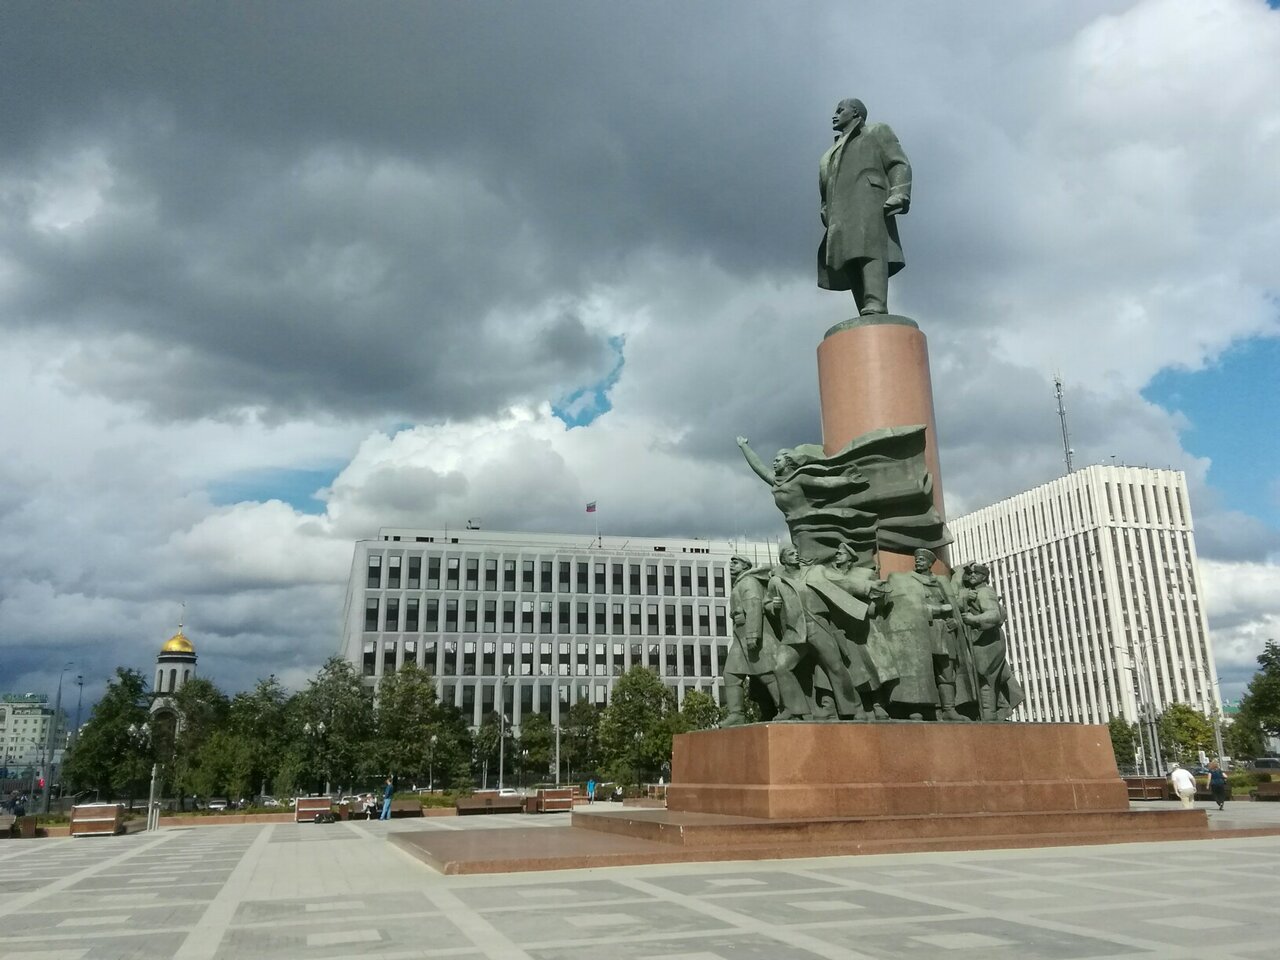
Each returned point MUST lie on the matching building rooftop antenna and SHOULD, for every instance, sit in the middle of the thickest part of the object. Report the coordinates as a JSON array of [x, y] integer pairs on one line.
[[1067, 452]]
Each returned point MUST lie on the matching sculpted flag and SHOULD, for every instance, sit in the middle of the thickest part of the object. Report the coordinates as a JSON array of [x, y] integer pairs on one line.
[[875, 493]]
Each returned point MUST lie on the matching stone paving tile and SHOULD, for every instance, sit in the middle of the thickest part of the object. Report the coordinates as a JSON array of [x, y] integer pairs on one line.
[[360, 936], [138, 917], [985, 938], [548, 892], [1205, 924], [754, 881], [1029, 895], [371, 904], [718, 946], [607, 922], [830, 906], [159, 946]]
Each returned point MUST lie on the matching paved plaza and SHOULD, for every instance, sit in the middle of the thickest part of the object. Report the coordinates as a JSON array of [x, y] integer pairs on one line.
[[341, 890]]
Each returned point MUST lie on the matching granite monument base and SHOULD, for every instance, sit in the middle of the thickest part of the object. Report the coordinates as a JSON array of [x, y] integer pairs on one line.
[[806, 770], [784, 790]]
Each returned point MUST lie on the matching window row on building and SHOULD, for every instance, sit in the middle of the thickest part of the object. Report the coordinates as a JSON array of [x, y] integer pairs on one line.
[[390, 570], [434, 614], [562, 657]]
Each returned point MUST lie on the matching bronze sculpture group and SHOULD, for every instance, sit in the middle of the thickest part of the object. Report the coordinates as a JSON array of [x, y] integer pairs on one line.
[[831, 640]]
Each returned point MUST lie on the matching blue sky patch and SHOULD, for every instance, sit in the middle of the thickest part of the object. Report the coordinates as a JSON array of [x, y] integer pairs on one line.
[[1224, 403], [295, 487], [588, 403]]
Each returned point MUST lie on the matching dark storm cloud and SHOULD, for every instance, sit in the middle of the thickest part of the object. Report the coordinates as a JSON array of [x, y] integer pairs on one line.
[[358, 210]]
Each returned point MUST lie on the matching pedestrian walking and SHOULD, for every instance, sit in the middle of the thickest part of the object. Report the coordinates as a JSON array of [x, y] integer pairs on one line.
[[387, 791], [591, 790], [1184, 785], [1218, 784]]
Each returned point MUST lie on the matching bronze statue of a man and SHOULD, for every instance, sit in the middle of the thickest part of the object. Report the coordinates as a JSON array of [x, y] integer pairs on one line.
[[865, 182], [999, 693], [754, 651]]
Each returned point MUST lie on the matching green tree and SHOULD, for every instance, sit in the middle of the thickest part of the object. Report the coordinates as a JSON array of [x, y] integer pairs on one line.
[[223, 767], [1260, 705], [407, 718], [1242, 737], [635, 728], [258, 718], [486, 747], [200, 711], [339, 752], [1184, 732], [1124, 740], [700, 711], [106, 758], [580, 739], [537, 746]]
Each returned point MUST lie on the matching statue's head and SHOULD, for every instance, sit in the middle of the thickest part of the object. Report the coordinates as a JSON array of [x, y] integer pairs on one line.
[[738, 566], [849, 115], [925, 560], [783, 463], [788, 556], [976, 574], [846, 557]]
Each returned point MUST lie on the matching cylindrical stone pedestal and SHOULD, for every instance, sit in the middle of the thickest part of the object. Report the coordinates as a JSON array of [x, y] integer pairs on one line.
[[873, 372]]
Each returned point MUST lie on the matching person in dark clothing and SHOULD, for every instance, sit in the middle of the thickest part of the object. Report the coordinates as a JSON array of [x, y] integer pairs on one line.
[[1218, 784], [387, 792]]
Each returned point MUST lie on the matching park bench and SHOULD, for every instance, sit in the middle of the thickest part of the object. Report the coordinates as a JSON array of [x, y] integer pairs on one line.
[[489, 803], [1267, 791], [550, 800], [97, 820], [1147, 788], [406, 808]]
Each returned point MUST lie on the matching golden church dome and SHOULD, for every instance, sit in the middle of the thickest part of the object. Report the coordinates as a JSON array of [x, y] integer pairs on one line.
[[178, 643]]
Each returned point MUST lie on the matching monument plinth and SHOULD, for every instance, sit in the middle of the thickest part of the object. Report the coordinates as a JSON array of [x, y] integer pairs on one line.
[[873, 372], [826, 770]]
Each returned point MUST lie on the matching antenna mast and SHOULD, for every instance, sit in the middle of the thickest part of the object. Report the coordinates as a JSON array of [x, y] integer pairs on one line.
[[1062, 416]]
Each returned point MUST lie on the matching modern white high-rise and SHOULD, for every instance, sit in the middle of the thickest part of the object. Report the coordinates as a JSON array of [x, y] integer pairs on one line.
[[1098, 573], [25, 737], [548, 619]]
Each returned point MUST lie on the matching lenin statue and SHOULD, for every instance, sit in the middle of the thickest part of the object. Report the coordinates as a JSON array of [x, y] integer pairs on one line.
[[865, 182]]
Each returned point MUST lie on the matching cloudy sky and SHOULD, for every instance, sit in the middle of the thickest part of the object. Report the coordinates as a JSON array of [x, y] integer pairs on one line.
[[273, 275]]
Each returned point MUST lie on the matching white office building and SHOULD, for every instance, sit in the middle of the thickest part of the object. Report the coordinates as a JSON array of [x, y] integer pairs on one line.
[[25, 737], [548, 619], [1098, 573]]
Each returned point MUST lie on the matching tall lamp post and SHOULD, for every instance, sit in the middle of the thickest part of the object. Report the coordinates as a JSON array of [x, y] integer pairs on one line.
[[75, 735], [141, 737], [431, 764], [51, 736], [315, 734]]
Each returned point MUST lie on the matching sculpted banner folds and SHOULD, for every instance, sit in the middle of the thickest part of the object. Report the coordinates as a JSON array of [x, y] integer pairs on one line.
[[874, 494]]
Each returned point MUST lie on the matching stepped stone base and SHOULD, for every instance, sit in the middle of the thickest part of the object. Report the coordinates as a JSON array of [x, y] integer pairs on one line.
[[784, 790]]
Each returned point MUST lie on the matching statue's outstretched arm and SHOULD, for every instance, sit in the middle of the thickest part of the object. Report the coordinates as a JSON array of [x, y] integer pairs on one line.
[[754, 461]]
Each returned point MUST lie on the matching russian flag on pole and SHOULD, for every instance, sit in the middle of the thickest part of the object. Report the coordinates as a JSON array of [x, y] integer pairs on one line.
[[591, 506]]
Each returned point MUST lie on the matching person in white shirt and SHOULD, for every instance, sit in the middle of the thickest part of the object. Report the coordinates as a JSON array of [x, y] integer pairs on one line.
[[1184, 785]]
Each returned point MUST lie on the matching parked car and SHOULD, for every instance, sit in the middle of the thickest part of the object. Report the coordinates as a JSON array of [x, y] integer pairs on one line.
[[269, 802], [218, 804], [1266, 763]]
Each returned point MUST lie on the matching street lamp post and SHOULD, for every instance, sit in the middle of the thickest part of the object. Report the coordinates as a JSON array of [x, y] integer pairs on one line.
[[51, 737], [75, 736], [315, 734], [141, 737], [431, 765]]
